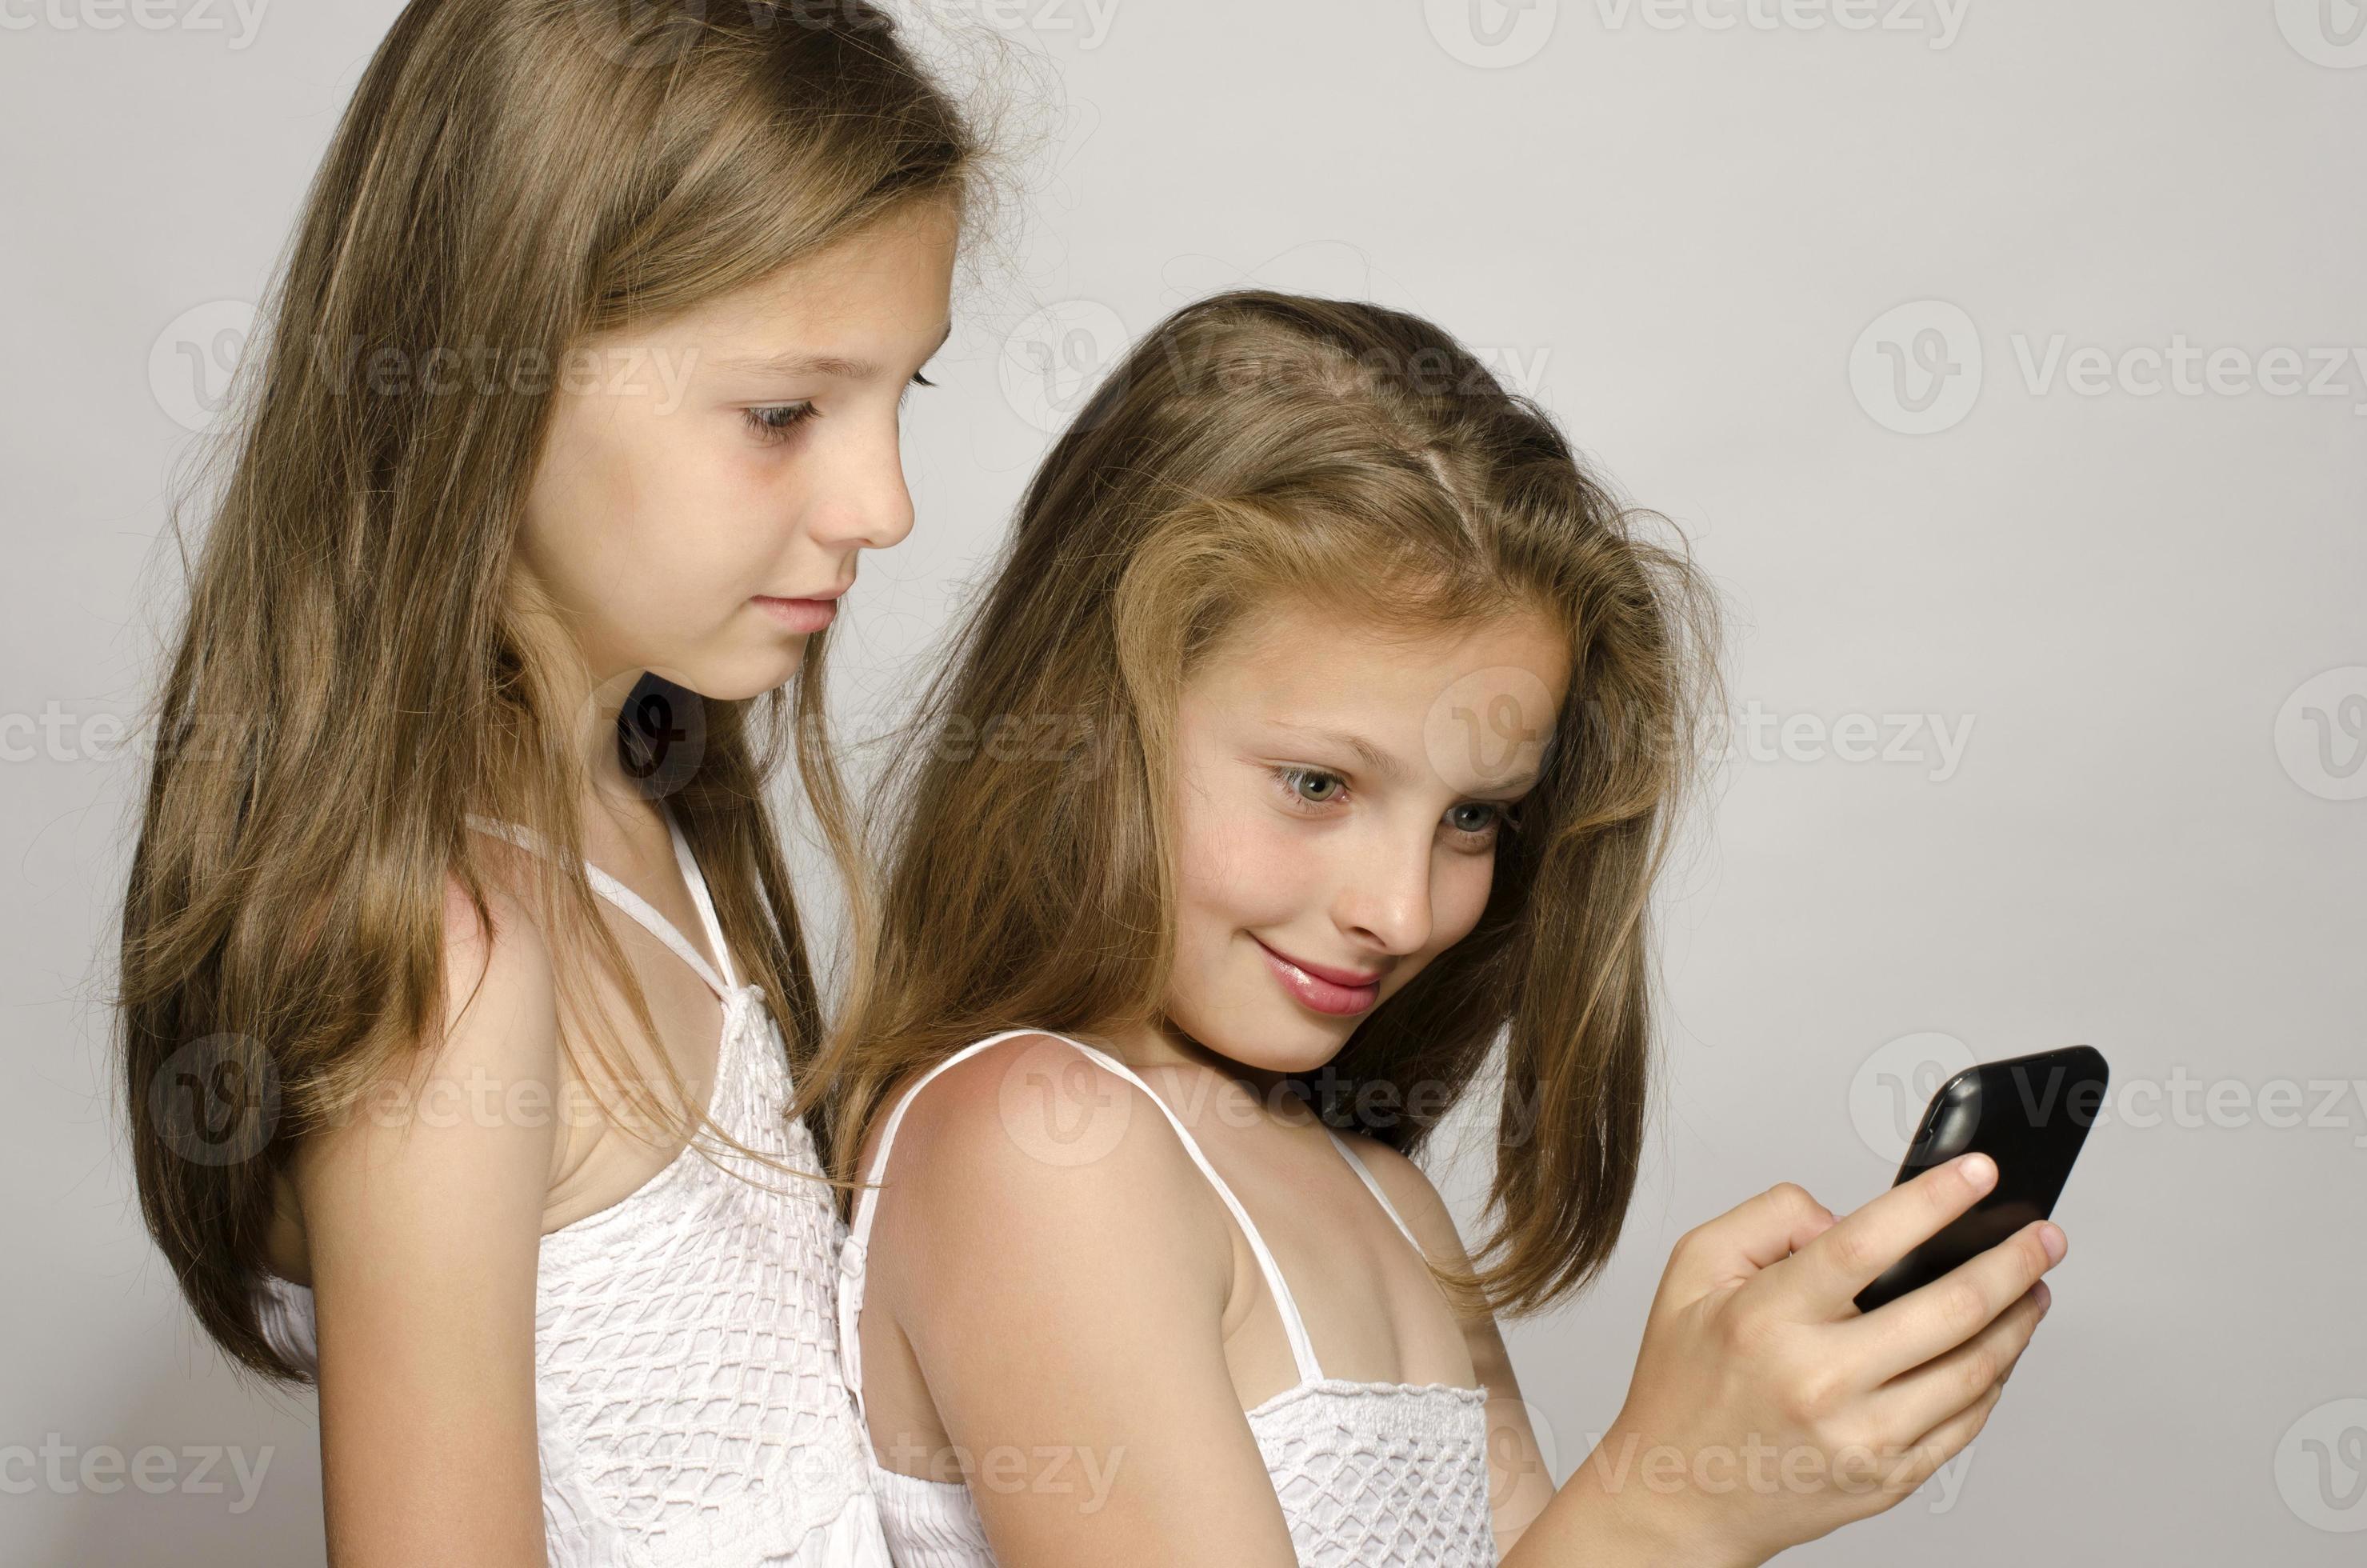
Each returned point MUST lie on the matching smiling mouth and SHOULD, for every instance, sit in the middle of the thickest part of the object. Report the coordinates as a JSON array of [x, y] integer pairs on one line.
[[1323, 992]]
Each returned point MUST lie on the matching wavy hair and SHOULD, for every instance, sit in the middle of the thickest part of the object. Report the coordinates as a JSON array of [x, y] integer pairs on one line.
[[1253, 448]]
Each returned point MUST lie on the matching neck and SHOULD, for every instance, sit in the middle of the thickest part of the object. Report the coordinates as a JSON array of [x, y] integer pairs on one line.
[[1161, 1044]]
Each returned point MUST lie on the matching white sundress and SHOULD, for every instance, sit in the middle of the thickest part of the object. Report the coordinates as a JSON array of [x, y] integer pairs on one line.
[[1369, 1475], [690, 1405]]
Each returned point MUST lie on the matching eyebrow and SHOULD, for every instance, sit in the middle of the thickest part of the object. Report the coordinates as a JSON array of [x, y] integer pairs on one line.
[[1371, 756], [794, 364], [1380, 762]]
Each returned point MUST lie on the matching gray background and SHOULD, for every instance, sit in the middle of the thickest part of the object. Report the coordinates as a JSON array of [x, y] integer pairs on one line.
[[1693, 241]]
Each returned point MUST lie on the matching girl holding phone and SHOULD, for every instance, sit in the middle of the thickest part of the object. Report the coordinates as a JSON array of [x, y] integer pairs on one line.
[[1325, 721]]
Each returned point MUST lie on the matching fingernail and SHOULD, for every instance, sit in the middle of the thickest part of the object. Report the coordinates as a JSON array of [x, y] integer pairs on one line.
[[1979, 1172], [2051, 1237]]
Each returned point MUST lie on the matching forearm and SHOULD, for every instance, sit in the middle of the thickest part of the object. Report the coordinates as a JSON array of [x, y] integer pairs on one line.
[[1603, 1517]]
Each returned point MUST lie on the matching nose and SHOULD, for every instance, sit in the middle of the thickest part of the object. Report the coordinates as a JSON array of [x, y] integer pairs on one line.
[[865, 503], [1385, 901]]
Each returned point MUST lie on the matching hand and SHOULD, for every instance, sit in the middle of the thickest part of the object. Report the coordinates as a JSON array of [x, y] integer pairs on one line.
[[1766, 1410]]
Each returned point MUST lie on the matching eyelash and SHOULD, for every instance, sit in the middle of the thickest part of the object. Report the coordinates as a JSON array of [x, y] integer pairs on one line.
[[1288, 779], [774, 423]]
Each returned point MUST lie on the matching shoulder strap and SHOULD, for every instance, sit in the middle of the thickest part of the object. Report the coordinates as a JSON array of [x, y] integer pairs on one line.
[[1302, 1349], [639, 908], [1364, 1171]]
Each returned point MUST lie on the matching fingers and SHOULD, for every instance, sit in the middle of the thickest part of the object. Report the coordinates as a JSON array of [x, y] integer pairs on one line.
[[1934, 1393], [1845, 1258], [1747, 1238], [1950, 1311], [1943, 1442]]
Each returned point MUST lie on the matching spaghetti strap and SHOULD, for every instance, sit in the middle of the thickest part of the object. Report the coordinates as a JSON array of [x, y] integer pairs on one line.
[[858, 1241], [638, 908], [1373, 1186]]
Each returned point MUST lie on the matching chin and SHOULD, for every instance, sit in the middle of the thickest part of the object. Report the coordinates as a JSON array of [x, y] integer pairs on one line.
[[1288, 1041]]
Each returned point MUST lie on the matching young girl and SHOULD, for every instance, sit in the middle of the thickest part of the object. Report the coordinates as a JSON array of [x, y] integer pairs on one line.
[[581, 404], [1325, 723]]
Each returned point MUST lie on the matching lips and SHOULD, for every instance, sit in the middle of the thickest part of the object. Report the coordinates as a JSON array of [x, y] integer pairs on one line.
[[798, 615], [1340, 992]]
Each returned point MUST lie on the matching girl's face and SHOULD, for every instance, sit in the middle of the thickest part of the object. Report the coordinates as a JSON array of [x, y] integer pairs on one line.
[[1341, 794], [707, 482]]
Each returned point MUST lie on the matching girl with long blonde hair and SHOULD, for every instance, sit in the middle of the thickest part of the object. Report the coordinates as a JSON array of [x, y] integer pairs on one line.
[[1309, 762], [578, 403]]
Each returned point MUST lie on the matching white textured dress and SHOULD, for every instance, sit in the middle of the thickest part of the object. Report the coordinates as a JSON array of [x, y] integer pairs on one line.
[[1369, 1475], [690, 1405]]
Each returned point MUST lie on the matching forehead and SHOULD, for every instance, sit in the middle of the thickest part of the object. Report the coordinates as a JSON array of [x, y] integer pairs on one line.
[[890, 275], [1470, 705]]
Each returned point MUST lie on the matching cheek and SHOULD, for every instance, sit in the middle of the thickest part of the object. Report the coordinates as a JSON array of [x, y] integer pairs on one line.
[[641, 513], [1241, 865], [1459, 896]]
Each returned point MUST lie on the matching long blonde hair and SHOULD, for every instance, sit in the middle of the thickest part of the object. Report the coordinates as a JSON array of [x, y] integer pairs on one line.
[[358, 668], [1257, 445]]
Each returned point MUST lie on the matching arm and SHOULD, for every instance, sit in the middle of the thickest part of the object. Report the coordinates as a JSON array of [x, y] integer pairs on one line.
[[1061, 1270], [423, 1213], [1759, 1376]]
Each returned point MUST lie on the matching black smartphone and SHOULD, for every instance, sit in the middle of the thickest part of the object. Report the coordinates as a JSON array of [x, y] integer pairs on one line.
[[2030, 1114]]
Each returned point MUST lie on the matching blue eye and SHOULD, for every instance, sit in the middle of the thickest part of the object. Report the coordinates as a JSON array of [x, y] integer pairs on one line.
[[1492, 817], [775, 422]]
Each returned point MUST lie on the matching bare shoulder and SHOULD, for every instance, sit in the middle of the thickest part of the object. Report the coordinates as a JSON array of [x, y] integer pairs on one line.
[[1414, 1195], [489, 1082], [1030, 1157]]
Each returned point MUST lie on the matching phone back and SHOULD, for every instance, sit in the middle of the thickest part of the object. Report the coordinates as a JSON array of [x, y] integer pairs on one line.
[[2030, 1114]]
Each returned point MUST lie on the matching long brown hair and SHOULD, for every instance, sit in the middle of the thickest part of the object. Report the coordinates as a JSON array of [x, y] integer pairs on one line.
[[358, 668], [1255, 445]]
